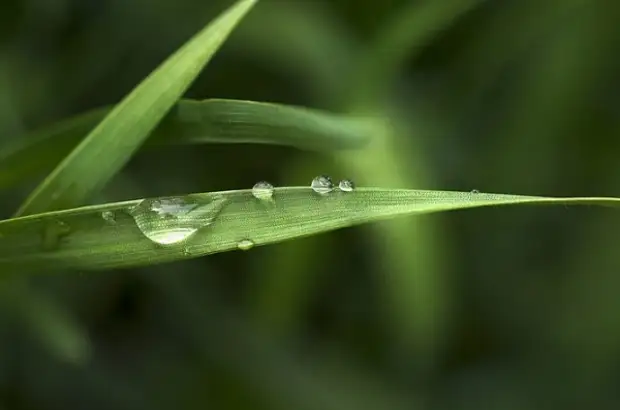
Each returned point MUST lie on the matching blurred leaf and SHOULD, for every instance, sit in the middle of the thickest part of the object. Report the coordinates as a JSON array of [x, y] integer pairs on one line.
[[110, 145], [304, 39], [417, 297], [117, 234], [52, 325], [406, 32], [315, 378], [195, 122]]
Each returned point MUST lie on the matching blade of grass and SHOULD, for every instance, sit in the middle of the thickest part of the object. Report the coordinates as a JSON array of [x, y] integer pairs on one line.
[[110, 145], [83, 238], [195, 122]]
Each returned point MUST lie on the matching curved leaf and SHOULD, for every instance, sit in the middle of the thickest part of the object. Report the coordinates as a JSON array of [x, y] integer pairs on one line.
[[195, 122], [112, 143]]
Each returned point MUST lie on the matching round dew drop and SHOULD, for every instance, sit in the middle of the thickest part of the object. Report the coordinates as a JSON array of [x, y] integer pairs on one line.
[[109, 217], [263, 190], [245, 244], [346, 185], [173, 220], [322, 185]]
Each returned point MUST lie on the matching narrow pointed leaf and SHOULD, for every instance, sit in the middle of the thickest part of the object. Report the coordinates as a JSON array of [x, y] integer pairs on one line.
[[195, 122], [112, 143], [107, 236]]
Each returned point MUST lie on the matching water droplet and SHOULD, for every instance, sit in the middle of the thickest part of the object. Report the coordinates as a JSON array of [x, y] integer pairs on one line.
[[346, 185], [53, 233], [475, 191], [187, 252], [263, 190], [109, 217], [322, 185], [245, 244], [173, 220]]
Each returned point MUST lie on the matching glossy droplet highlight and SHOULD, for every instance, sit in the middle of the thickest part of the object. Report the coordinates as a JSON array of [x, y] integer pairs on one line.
[[322, 185], [346, 185], [263, 190], [475, 191], [173, 220], [109, 217], [245, 244]]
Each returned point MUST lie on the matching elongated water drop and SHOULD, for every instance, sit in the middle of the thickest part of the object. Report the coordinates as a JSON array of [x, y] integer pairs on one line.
[[346, 185], [322, 185], [263, 190], [173, 220], [245, 244]]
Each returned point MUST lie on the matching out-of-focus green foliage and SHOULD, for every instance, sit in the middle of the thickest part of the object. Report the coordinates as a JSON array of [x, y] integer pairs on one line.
[[505, 308]]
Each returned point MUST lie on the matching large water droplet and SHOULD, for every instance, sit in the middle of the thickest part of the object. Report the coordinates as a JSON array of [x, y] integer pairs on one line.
[[53, 233], [322, 185], [109, 217], [245, 244], [263, 190], [173, 220], [346, 185]]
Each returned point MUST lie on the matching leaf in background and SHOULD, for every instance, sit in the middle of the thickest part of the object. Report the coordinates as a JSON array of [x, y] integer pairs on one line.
[[112, 143], [195, 122], [417, 299], [158, 230]]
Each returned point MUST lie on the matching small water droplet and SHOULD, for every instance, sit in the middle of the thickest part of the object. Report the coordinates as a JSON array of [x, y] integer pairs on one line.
[[263, 190], [173, 220], [53, 233], [346, 185], [245, 244], [322, 185], [109, 217], [475, 191], [187, 252]]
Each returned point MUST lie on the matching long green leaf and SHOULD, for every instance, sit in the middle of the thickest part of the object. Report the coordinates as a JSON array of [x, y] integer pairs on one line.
[[195, 122], [107, 236], [112, 143]]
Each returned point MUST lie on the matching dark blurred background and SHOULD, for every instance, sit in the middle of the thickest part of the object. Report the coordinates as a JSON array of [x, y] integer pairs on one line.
[[507, 308]]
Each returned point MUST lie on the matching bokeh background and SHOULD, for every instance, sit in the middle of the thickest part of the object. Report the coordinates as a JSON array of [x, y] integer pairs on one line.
[[506, 308]]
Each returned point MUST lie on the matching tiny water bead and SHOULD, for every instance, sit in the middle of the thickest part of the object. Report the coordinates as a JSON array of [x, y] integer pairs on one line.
[[109, 217], [53, 234], [346, 185], [245, 244], [173, 220], [322, 185], [263, 190], [475, 191]]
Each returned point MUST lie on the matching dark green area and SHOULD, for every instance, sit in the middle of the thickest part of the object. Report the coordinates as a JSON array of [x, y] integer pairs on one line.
[[480, 309]]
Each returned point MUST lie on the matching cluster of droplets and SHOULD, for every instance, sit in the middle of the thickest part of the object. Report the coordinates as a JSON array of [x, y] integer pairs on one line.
[[323, 185], [173, 220]]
